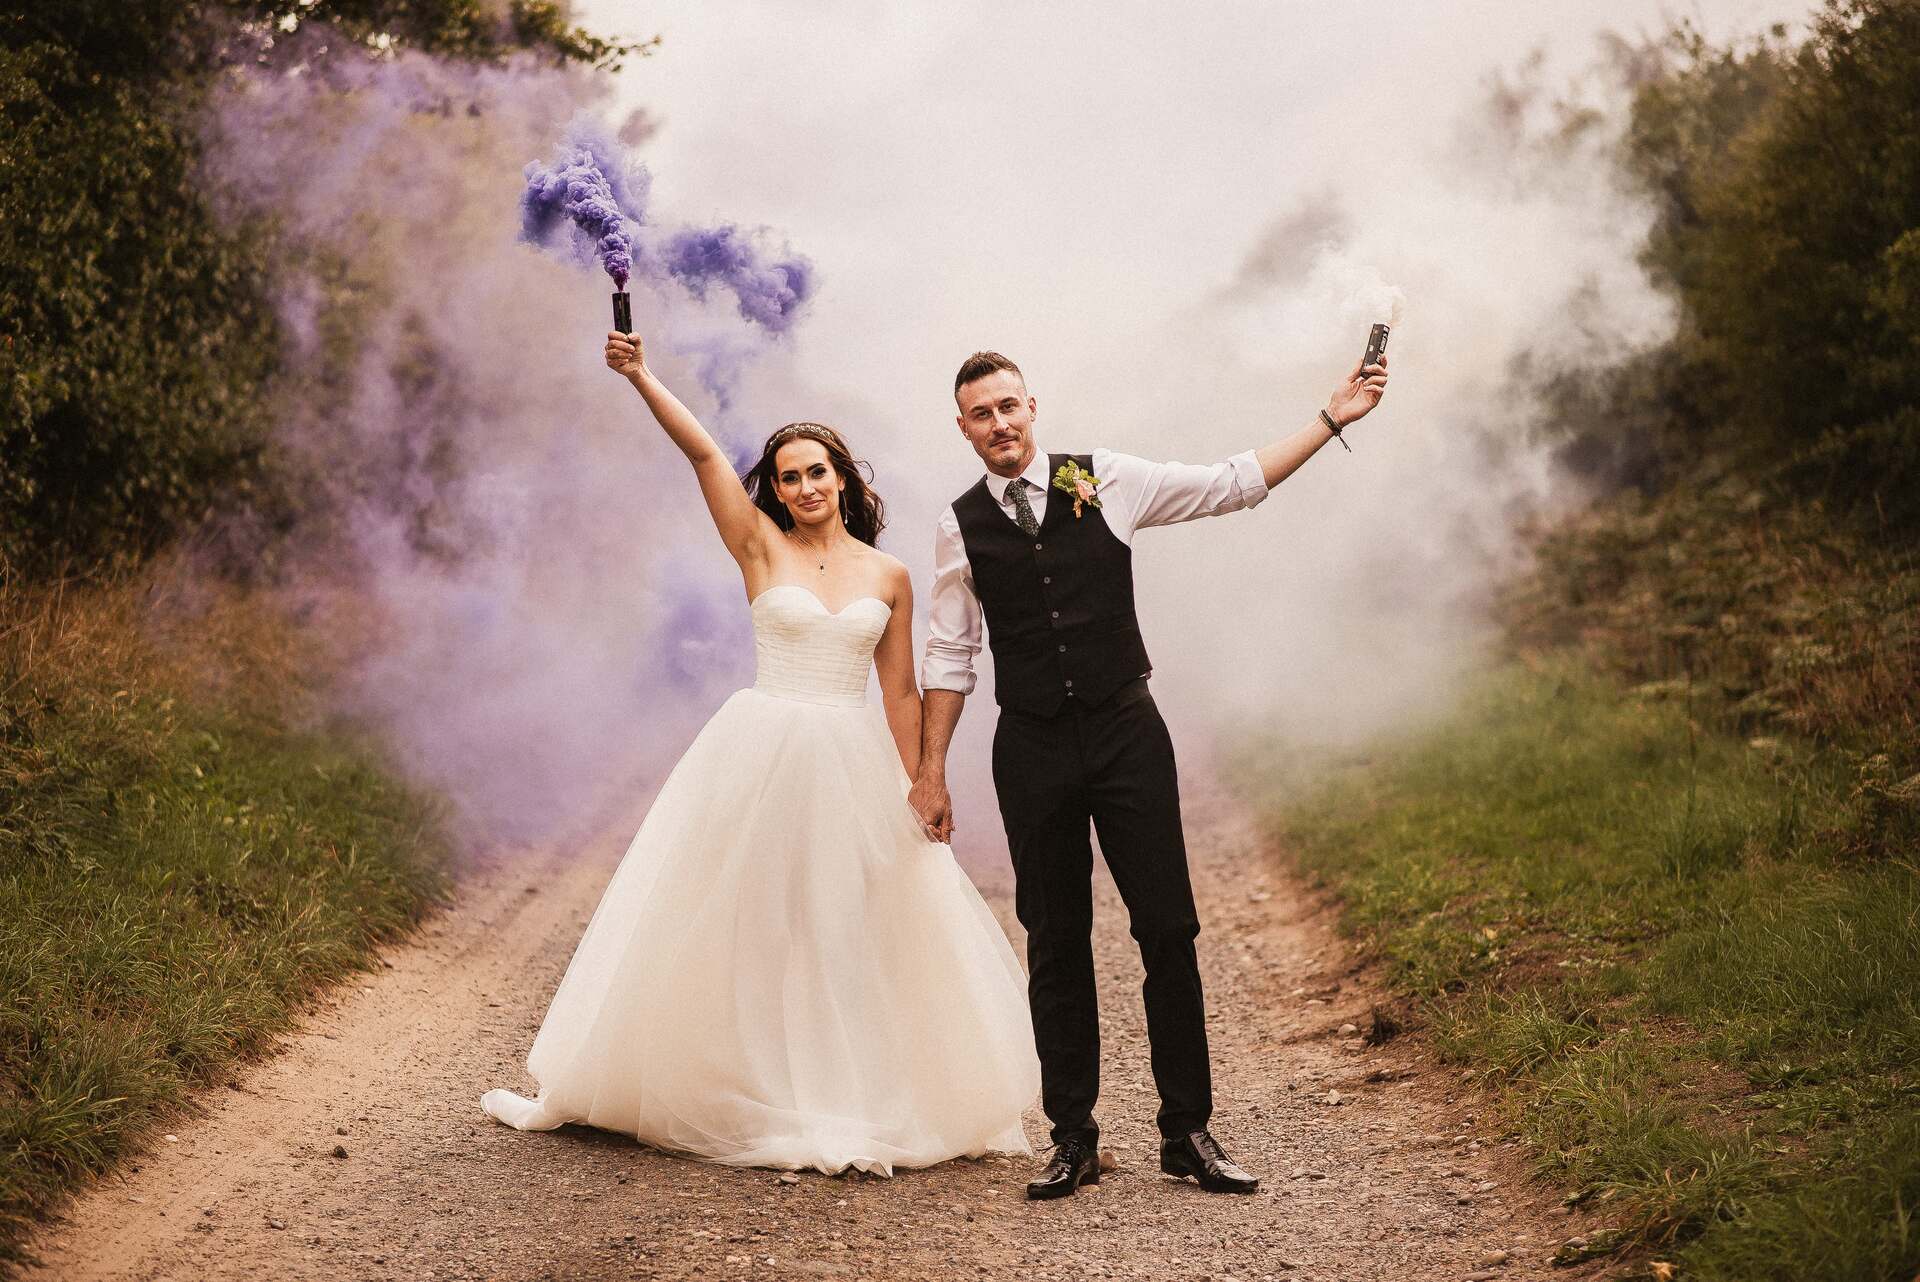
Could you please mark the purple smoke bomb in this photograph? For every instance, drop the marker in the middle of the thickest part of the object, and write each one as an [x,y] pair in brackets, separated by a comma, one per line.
[597,190]
[578,191]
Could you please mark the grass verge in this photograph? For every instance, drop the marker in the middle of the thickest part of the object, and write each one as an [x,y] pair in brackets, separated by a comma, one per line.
[182,861]
[1661,946]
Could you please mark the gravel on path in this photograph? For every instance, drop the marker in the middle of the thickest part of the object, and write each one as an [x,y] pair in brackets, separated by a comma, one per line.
[360,1151]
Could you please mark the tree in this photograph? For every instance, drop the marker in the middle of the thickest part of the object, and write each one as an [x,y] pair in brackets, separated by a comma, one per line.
[1789,228]
[135,331]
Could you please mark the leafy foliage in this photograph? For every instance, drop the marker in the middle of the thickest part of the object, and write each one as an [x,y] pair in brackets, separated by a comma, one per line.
[1787,180]
[137,344]
[1767,618]
[137,337]
[146,40]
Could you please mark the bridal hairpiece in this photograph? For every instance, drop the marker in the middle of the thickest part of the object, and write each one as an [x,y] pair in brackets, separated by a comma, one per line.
[819,431]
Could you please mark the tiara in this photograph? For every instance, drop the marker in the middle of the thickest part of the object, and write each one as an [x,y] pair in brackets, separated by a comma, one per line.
[819,430]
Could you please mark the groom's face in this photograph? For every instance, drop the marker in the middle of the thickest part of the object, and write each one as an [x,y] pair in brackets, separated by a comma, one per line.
[996,416]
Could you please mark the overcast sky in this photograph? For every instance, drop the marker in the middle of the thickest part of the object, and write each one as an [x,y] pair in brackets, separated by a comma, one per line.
[1051,178]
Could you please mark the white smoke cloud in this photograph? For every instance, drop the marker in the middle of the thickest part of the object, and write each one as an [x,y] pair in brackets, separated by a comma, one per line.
[1180,223]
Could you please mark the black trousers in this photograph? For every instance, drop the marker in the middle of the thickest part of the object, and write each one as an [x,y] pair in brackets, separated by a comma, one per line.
[1111,765]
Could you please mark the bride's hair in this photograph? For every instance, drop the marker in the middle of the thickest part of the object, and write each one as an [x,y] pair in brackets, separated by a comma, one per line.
[860,507]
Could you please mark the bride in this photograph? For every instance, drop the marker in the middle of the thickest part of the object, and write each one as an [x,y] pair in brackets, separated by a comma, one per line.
[786,970]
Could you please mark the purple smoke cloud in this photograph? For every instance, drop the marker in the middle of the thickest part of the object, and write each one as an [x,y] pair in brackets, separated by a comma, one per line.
[595,188]
[535,644]
[768,294]
[584,190]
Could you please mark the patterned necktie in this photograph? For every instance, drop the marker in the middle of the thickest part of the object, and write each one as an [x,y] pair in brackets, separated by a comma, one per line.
[1023,510]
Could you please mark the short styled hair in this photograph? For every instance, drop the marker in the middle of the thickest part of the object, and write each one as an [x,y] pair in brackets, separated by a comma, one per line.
[981,364]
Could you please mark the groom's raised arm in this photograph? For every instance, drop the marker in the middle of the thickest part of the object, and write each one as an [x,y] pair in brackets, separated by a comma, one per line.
[1166,493]
[1137,493]
[954,633]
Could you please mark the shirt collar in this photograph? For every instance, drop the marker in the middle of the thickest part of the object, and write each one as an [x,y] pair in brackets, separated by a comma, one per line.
[1036,475]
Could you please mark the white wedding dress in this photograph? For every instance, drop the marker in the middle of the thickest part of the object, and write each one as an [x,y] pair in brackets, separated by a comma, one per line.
[784,971]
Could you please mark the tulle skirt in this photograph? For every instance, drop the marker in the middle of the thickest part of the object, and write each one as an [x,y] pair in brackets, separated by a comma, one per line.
[784,971]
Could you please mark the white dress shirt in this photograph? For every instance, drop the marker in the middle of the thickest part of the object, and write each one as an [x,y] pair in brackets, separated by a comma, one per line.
[1134,494]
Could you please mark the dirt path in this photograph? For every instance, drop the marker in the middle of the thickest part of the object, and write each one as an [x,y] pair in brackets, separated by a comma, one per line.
[1395,1181]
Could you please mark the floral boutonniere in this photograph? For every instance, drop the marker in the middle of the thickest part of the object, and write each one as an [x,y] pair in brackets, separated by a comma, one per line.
[1083,485]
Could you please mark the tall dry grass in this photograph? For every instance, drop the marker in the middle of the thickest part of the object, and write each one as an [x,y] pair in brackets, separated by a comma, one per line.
[187,852]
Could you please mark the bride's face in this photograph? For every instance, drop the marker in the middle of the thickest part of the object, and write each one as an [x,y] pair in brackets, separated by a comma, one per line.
[804,479]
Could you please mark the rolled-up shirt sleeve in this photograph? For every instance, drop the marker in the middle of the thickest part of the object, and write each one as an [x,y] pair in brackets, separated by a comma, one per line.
[1168,493]
[954,627]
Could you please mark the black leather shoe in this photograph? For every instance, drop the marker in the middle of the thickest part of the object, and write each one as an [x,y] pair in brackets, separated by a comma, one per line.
[1074,1163]
[1198,1154]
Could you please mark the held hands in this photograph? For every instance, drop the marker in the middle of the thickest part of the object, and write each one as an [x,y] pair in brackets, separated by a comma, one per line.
[626,354]
[931,802]
[1359,392]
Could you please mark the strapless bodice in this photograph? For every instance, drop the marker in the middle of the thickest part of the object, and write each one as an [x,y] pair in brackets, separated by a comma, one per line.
[802,650]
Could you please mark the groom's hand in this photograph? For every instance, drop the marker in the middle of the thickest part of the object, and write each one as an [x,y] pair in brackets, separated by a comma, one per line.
[1359,392]
[930,801]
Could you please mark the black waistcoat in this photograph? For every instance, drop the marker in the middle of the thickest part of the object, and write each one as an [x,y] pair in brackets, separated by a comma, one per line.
[1059,605]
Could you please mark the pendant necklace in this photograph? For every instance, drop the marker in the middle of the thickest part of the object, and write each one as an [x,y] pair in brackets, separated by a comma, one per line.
[808,544]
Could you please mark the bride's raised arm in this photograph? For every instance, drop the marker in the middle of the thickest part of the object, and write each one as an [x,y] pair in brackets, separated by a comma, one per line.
[743,527]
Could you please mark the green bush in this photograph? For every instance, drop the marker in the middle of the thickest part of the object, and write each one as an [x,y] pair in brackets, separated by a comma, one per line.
[138,345]
[1786,180]
[137,336]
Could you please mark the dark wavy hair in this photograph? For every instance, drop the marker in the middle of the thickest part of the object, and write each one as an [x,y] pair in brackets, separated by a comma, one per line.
[860,506]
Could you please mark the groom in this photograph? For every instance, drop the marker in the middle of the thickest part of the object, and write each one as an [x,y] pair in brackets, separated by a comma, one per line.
[1042,548]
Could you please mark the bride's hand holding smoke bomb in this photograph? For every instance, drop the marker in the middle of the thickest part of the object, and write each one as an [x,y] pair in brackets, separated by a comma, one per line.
[626,354]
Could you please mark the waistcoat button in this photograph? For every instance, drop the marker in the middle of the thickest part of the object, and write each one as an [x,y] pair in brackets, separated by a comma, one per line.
[1038,546]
